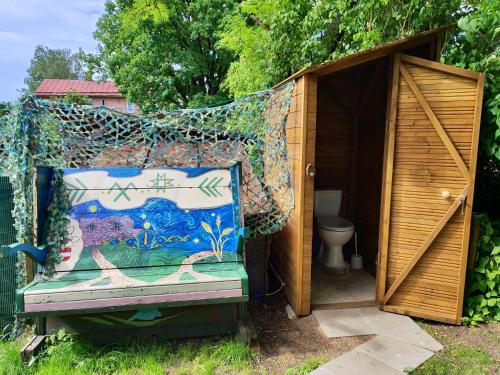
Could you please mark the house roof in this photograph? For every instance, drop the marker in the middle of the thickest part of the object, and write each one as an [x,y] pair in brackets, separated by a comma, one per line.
[56,87]
[374,53]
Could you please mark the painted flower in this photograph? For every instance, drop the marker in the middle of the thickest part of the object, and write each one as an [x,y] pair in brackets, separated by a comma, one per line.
[206,227]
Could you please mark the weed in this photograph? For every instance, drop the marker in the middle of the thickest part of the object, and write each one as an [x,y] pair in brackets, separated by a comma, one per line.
[457,360]
[307,367]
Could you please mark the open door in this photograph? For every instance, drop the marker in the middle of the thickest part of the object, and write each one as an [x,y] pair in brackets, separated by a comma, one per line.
[430,165]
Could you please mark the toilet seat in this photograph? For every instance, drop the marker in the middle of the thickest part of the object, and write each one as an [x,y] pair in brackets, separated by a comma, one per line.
[335,223]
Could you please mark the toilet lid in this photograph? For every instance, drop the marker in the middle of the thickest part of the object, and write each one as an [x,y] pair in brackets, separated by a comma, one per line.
[335,223]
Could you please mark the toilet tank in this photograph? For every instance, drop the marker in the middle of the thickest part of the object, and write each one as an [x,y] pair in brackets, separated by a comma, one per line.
[327,202]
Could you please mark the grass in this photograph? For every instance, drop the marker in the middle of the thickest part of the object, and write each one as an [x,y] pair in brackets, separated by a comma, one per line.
[458,360]
[307,367]
[67,355]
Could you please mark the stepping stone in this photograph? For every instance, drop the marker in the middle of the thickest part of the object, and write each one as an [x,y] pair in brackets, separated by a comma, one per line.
[395,353]
[355,363]
[416,337]
[342,323]
[383,322]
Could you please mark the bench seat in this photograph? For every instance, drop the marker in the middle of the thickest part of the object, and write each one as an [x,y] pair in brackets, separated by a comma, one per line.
[115,289]
[159,248]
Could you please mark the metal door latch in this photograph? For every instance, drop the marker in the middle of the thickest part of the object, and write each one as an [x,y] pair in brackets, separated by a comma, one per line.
[310,170]
[462,200]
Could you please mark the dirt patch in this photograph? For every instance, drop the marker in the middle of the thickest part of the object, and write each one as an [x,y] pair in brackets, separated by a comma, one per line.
[485,336]
[286,343]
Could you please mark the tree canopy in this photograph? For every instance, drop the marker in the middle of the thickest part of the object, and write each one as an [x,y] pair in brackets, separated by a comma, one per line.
[163,54]
[274,38]
[53,63]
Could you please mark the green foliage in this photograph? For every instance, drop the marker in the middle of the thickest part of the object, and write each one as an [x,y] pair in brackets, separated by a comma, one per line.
[73,97]
[95,67]
[65,354]
[52,63]
[57,222]
[307,367]
[482,296]
[162,53]
[10,360]
[475,46]
[273,39]
[458,360]
[5,108]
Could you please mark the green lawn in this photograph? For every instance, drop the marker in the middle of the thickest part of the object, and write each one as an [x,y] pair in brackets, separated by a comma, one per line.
[67,355]
[467,351]
[458,360]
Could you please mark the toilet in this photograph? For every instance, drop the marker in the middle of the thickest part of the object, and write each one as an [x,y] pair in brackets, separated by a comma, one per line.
[334,231]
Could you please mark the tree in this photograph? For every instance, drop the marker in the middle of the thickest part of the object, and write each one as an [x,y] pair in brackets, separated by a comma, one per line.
[95,67]
[52,63]
[274,38]
[475,45]
[163,54]
[5,108]
[74,97]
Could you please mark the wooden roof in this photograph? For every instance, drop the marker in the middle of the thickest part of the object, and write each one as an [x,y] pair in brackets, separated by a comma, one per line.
[376,52]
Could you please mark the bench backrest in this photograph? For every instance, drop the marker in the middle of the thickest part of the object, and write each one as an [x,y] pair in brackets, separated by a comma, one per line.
[130,217]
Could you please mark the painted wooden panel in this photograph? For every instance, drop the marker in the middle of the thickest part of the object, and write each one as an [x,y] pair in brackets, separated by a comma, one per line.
[131,218]
[146,237]
[432,148]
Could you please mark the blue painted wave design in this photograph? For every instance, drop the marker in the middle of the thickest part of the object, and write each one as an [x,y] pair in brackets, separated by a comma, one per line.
[158,225]
[132,172]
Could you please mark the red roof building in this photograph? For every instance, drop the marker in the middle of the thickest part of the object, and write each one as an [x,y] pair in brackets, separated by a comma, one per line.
[101,92]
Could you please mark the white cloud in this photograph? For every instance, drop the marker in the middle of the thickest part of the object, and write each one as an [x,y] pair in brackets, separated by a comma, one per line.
[27,23]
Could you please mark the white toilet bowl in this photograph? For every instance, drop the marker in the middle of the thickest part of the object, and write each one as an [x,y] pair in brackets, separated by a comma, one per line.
[334,231]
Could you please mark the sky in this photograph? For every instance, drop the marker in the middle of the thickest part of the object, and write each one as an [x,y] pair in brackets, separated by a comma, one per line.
[24,24]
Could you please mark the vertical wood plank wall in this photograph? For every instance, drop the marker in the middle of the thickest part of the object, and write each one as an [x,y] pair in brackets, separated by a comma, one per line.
[334,134]
[369,161]
[340,105]
[291,248]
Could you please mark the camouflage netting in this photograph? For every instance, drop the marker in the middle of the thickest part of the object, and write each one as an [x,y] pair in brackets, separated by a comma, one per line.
[250,130]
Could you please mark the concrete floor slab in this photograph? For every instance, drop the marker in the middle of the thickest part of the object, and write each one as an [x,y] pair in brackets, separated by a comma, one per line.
[395,353]
[341,323]
[356,363]
[328,288]
[382,321]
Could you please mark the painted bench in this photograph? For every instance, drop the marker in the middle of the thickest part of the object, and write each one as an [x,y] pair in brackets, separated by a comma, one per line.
[146,248]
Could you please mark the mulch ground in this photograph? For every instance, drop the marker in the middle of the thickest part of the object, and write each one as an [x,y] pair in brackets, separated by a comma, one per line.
[286,343]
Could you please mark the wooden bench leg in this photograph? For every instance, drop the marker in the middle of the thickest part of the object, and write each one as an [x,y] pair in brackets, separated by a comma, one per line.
[247,331]
[32,347]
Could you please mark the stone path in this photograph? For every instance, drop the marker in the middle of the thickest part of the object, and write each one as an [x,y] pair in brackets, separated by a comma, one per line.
[399,345]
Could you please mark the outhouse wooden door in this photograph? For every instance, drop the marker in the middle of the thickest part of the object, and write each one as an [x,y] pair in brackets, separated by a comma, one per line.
[430,165]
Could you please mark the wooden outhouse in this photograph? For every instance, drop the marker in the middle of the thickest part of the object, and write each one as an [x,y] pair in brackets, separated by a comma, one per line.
[398,133]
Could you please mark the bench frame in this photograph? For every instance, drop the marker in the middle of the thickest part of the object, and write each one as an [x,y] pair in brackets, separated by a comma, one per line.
[200,316]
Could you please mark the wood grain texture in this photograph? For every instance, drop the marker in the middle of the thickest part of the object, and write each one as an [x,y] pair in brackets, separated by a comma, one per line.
[286,250]
[99,292]
[425,236]
[387,180]
[138,300]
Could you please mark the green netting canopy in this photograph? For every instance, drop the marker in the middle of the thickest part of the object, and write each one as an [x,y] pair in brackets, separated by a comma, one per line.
[250,130]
